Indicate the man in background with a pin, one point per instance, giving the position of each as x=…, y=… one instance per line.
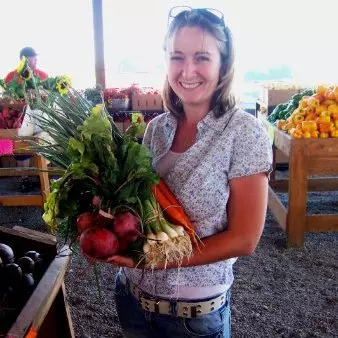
x=31, y=57
x=27, y=129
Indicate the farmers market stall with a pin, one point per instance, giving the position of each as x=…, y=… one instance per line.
x=313, y=163
x=14, y=146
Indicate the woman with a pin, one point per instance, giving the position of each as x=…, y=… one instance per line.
x=216, y=159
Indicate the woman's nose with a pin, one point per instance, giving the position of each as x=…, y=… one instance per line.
x=189, y=69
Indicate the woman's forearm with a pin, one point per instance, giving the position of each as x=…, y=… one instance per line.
x=219, y=247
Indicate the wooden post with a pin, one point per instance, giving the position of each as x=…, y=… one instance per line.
x=98, y=43
x=296, y=218
x=44, y=177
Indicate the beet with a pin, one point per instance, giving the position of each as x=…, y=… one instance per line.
x=86, y=221
x=96, y=201
x=6, y=254
x=99, y=243
x=127, y=226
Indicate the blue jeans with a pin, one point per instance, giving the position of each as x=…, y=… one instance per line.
x=137, y=323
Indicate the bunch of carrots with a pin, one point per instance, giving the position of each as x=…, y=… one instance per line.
x=168, y=230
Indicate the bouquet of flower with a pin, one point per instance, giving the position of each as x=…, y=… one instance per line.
x=108, y=196
x=26, y=83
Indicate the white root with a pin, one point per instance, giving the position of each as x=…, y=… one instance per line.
x=179, y=229
x=173, y=250
x=151, y=238
x=162, y=237
x=146, y=248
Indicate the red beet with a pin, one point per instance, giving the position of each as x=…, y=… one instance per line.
x=127, y=226
x=96, y=201
x=99, y=243
x=86, y=221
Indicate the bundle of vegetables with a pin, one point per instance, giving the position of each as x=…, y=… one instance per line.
x=105, y=195
x=284, y=110
x=316, y=116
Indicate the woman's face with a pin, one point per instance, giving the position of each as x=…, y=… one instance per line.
x=194, y=62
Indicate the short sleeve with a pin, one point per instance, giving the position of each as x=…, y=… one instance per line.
x=251, y=152
x=147, y=137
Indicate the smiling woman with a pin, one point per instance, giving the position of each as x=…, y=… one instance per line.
x=219, y=176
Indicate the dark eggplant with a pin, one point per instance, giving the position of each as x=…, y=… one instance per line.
x=12, y=274
x=27, y=282
x=26, y=264
x=6, y=254
x=40, y=267
x=1, y=264
x=32, y=254
x=26, y=287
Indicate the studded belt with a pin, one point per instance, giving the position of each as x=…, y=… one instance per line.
x=177, y=308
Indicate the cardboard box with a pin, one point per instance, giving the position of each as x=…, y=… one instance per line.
x=273, y=97
x=152, y=102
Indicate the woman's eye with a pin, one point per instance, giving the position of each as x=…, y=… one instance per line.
x=176, y=58
x=202, y=58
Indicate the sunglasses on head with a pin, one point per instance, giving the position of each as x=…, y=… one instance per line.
x=211, y=14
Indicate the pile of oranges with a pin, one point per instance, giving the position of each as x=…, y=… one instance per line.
x=315, y=117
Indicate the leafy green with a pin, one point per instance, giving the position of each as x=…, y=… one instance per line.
x=98, y=160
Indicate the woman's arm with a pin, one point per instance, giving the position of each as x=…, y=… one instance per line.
x=246, y=217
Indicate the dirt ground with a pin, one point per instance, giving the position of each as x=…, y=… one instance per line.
x=278, y=291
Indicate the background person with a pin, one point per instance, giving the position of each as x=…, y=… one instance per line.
x=28, y=127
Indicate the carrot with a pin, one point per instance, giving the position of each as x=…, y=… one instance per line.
x=173, y=209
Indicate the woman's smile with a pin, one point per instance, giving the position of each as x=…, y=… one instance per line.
x=190, y=85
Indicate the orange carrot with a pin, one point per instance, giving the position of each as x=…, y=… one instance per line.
x=173, y=209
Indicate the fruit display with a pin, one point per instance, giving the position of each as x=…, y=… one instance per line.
x=316, y=115
x=19, y=275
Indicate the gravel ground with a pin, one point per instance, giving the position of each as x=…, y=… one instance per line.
x=278, y=292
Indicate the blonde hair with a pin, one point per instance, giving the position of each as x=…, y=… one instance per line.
x=222, y=99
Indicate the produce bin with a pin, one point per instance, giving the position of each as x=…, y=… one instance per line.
x=307, y=158
x=39, y=169
x=45, y=314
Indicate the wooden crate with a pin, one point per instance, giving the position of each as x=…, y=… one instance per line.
x=275, y=96
x=39, y=169
x=307, y=157
x=150, y=102
x=46, y=312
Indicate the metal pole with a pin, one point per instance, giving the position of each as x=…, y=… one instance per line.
x=98, y=43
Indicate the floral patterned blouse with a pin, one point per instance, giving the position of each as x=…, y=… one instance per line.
x=233, y=145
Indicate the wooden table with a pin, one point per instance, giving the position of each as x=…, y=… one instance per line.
x=307, y=157
x=40, y=170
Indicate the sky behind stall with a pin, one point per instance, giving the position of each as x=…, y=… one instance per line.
x=297, y=34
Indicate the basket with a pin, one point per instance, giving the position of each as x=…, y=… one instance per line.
x=119, y=104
